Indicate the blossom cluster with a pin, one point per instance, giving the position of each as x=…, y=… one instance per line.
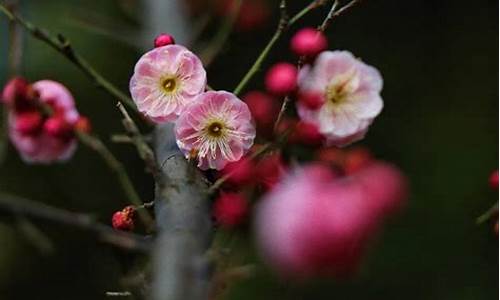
x=42, y=118
x=311, y=220
x=213, y=127
x=314, y=214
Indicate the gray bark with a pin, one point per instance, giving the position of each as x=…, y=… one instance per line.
x=182, y=271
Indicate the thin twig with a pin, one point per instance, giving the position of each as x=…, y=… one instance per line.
x=19, y=206
x=145, y=152
x=63, y=46
x=282, y=26
x=121, y=139
x=15, y=51
x=281, y=113
x=117, y=167
x=488, y=214
x=332, y=14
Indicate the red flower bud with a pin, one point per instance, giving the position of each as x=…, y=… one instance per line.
x=18, y=94
x=264, y=110
x=311, y=100
x=270, y=170
x=58, y=127
x=124, y=219
x=308, y=42
x=164, y=39
x=240, y=172
x=308, y=133
x=281, y=79
x=230, y=209
x=29, y=122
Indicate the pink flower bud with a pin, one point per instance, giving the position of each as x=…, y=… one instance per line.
x=230, y=209
x=164, y=39
x=58, y=127
x=281, y=79
x=308, y=42
x=28, y=123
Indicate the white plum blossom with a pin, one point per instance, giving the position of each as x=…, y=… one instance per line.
x=350, y=93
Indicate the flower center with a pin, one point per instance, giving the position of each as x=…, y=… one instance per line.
x=169, y=84
x=336, y=93
x=215, y=129
x=340, y=87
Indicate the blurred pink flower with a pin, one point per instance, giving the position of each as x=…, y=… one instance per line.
x=314, y=224
x=351, y=92
x=385, y=186
x=40, y=146
x=165, y=80
x=217, y=129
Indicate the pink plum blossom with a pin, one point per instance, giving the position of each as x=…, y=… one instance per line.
x=165, y=80
x=351, y=96
x=40, y=146
x=314, y=223
x=216, y=129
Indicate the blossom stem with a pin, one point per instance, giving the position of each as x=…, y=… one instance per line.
x=283, y=108
x=117, y=167
x=63, y=46
x=283, y=24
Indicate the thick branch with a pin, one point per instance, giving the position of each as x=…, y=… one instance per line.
x=182, y=271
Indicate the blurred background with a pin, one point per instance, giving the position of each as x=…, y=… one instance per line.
x=439, y=60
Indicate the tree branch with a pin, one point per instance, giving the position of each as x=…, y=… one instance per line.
x=283, y=24
x=117, y=167
x=332, y=14
x=18, y=206
x=63, y=46
x=182, y=271
x=145, y=152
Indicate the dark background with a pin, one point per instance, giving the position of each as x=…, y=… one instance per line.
x=439, y=60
